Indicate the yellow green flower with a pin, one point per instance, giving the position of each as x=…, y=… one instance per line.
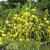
x=45, y=18
x=16, y=33
x=0, y=40
x=26, y=14
x=15, y=28
x=36, y=17
x=47, y=22
x=33, y=9
x=21, y=39
x=1, y=31
x=14, y=17
x=33, y=16
x=6, y=21
x=49, y=27
x=3, y=35
x=41, y=24
x=23, y=30
x=36, y=20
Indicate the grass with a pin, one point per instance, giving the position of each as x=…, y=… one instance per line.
x=27, y=45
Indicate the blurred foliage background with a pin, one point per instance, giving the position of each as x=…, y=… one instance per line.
x=23, y=23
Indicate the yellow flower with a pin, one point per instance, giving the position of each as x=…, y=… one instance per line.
x=23, y=30
x=47, y=22
x=27, y=33
x=36, y=17
x=18, y=18
x=15, y=18
x=41, y=24
x=38, y=27
x=1, y=31
x=36, y=20
x=33, y=29
x=26, y=14
x=45, y=18
x=16, y=15
x=33, y=9
x=14, y=28
x=49, y=27
x=3, y=35
x=19, y=26
x=10, y=35
x=9, y=24
x=25, y=21
x=0, y=40
x=27, y=9
x=14, y=36
x=26, y=24
x=29, y=26
x=30, y=23
x=16, y=33
x=21, y=39
x=6, y=21
x=33, y=16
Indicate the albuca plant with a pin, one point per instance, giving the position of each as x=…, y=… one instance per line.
x=28, y=23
